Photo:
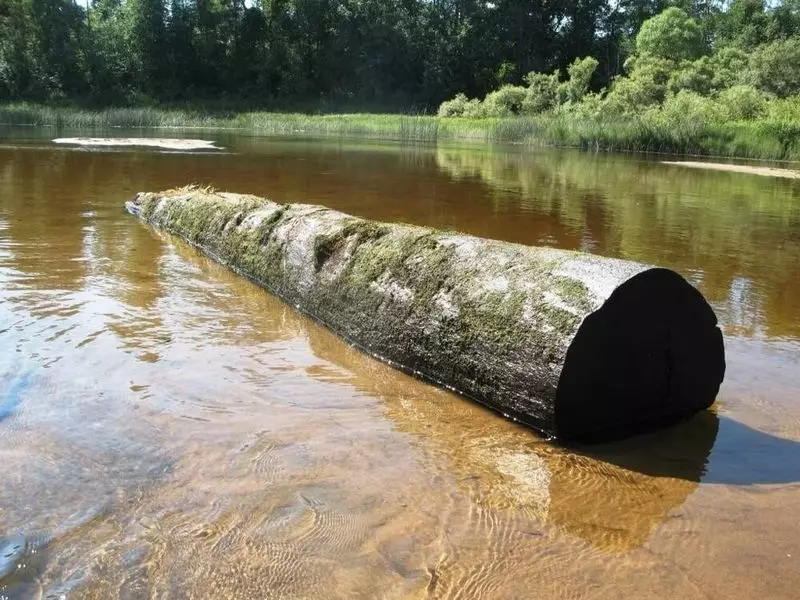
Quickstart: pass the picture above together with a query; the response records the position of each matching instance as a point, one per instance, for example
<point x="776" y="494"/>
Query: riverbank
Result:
<point x="760" y="139"/>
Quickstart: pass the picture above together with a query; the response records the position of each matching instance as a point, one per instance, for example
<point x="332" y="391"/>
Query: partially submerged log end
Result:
<point x="652" y="354"/>
<point x="574" y="345"/>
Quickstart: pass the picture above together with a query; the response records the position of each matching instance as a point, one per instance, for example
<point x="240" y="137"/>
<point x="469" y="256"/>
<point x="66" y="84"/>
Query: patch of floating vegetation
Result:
<point x="128" y="142"/>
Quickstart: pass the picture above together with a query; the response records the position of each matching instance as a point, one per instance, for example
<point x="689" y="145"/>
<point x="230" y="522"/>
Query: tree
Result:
<point x="671" y="35"/>
<point x="745" y="24"/>
<point x="57" y="29"/>
<point x="579" y="78"/>
<point x="18" y="69"/>
<point x="775" y="67"/>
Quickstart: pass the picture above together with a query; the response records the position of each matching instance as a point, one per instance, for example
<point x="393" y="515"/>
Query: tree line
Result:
<point x="356" y="54"/>
<point x="676" y="72"/>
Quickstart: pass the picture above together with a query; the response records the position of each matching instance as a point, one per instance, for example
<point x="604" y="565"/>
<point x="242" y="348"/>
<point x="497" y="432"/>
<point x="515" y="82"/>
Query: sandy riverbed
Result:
<point x="165" y="143"/>
<point x="753" y="170"/>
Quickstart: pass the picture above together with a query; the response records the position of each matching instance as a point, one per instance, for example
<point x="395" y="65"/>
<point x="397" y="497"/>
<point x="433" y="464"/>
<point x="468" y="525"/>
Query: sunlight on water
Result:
<point x="170" y="430"/>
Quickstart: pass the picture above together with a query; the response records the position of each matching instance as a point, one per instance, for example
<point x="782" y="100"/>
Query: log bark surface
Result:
<point x="573" y="345"/>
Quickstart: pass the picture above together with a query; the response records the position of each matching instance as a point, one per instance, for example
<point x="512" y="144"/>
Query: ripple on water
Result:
<point x="244" y="452"/>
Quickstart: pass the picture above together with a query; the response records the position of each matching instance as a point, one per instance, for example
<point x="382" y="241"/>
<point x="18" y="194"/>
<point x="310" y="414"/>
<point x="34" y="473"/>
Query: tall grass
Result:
<point x="772" y="138"/>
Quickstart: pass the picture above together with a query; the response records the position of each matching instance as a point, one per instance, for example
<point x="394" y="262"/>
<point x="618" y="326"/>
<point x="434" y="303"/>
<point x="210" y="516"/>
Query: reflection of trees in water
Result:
<point x="43" y="218"/>
<point x="718" y="228"/>
<point x="69" y="239"/>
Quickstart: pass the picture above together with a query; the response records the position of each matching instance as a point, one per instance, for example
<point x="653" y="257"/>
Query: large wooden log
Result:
<point x="574" y="345"/>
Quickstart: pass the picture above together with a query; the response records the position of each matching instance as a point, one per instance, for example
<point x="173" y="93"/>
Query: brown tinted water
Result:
<point x="170" y="430"/>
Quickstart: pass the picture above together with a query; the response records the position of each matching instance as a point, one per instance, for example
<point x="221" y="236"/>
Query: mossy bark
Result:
<point x="491" y="320"/>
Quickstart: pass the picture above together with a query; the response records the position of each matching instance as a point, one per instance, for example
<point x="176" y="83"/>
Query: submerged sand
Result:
<point x="165" y="143"/>
<point x="765" y="171"/>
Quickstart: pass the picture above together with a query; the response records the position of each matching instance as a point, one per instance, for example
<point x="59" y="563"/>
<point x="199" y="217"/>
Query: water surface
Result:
<point x="170" y="430"/>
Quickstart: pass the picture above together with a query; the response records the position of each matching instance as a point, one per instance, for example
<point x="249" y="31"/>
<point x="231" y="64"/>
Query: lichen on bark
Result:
<point x="491" y="320"/>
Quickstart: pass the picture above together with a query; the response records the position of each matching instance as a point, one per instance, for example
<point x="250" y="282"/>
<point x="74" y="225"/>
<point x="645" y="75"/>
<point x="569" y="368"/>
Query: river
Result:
<point x="169" y="430"/>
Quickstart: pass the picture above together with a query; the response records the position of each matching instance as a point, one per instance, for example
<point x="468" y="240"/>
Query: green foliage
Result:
<point x="317" y="55"/>
<point x="580" y="75"/>
<point x="541" y="93"/>
<point x="745" y="24"/>
<point x="18" y="71"/>
<point x="696" y="76"/>
<point x="709" y="75"/>
<point x="774" y="135"/>
<point x="775" y="67"/>
<point x="687" y="108"/>
<point x="454" y="107"/>
<point x="504" y="102"/>
<point x="785" y="110"/>
<point x="671" y="35"/>
<point x="461" y="106"/>
<point x="646" y="85"/>
<point x="729" y="66"/>
<point x="743" y="102"/>
<point x="672" y="98"/>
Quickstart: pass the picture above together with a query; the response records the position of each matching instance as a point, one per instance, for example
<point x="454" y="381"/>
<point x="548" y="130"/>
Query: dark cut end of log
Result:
<point x="652" y="355"/>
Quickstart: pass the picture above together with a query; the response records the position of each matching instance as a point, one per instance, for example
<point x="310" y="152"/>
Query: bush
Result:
<point x="775" y="67"/>
<point x="461" y="106"/>
<point x="646" y="85"/>
<point x="454" y="107"/>
<point x="696" y="76"/>
<point x="541" y="94"/>
<point x="785" y="110"/>
<point x="590" y="107"/>
<point x="504" y="102"/>
<point x="580" y="77"/>
<point x="742" y="102"/>
<point x="687" y="107"/>
<point x="729" y="67"/>
<point x="474" y="109"/>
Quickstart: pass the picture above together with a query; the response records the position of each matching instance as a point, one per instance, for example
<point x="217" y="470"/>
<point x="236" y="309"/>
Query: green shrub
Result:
<point x="775" y="67"/>
<point x="784" y="110"/>
<point x="474" y="109"/>
<point x="742" y="102"/>
<point x="541" y="93"/>
<point x="696" y="76"/>
<point x="454" y="107"/>
<point x="461" y="106"/>
<point x="504" y="102"/>
<point x="590" y="107"/>
<point x="729" y="68"/>
<point x="646" y="86"/>
<point x="580" y="74"/>
<point x="688" y="108"/>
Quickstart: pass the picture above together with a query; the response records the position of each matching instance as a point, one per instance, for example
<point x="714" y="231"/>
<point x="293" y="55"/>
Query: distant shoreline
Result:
<point x="753" y="140"/>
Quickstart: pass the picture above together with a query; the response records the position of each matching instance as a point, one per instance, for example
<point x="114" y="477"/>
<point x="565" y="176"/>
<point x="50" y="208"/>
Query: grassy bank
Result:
<point x="757" y="139"/>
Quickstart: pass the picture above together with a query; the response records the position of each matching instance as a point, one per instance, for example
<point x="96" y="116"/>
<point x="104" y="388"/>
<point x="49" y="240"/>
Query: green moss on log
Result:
<point x="489" y="319"/>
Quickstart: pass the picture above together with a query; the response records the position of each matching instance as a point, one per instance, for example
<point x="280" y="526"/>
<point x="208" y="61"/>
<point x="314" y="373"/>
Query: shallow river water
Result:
<point x="169" y="430"/>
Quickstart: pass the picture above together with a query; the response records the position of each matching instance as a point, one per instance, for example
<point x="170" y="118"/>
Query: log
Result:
<point x="573" y="345"/>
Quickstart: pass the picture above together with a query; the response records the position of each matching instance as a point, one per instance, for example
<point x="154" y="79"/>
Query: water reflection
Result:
<point x="737" y="236"/>
<point x="221" y="443"/>
<point x="611" y="495"/>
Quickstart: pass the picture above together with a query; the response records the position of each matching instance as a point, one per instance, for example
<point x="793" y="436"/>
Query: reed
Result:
<point x="775" y="137"/>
